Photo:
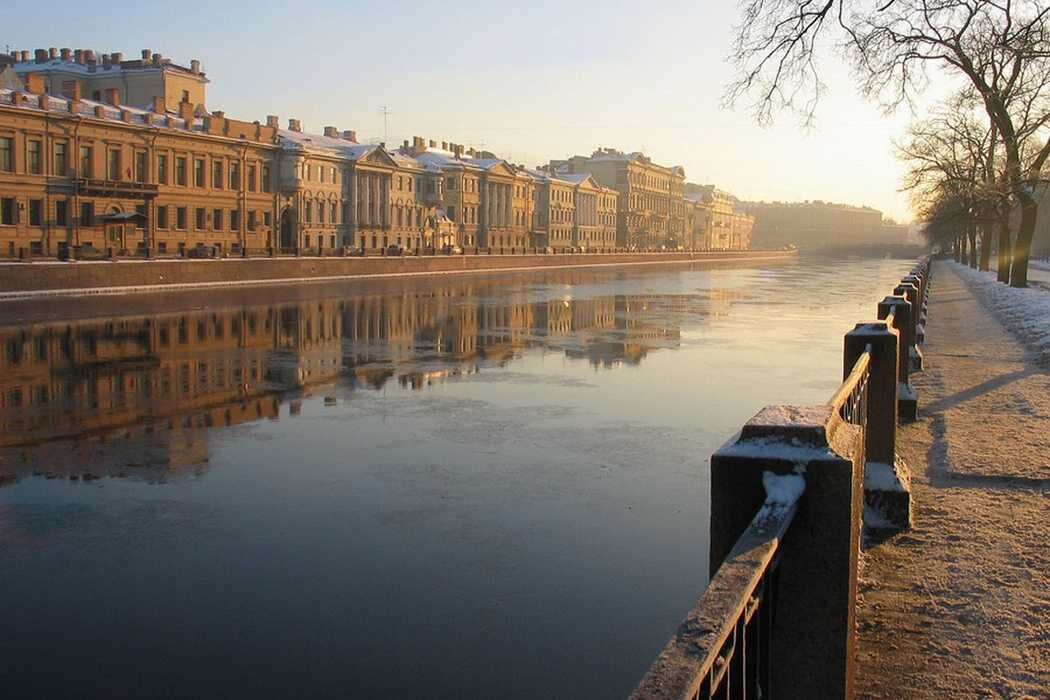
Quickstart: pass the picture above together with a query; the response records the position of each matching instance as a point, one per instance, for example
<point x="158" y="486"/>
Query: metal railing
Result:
<point x="851" y="398"/>
<point x="722" y="648"/>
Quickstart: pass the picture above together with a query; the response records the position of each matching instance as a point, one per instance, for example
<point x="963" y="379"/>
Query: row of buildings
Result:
<point x="100" y="152"/>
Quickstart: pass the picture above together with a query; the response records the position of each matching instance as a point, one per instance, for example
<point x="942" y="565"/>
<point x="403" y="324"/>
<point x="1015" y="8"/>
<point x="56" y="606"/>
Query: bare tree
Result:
<point x="998" y="49"/>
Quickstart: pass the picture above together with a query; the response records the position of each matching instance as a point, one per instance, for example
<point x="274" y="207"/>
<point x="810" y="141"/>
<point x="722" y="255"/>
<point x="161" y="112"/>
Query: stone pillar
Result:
<point x="813" y="632"/>
<point x="910" y="290"/>
<point x="881" y="438"/>
<point x="907" y="401"/>
<point x="920" y="331"/>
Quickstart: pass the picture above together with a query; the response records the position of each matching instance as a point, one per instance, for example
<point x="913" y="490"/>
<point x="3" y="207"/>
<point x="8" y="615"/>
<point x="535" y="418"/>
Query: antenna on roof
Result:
<point x="386" y="113"/>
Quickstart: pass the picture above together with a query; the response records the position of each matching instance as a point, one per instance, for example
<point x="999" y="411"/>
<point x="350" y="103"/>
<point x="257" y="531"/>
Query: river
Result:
<point x="460" y="487"/>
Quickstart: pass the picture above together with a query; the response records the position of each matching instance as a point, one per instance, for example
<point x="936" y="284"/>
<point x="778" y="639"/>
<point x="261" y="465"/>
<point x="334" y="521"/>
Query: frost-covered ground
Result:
<point x="959" y="606"/>
<point x="1024" y="312"/>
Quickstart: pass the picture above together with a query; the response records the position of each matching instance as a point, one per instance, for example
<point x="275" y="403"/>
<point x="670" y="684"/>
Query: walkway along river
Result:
<point x="494" y="485"/>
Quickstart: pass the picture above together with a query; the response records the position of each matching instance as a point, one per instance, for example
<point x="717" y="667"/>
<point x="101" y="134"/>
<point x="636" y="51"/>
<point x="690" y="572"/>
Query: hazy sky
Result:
<point x="530" y="81"/>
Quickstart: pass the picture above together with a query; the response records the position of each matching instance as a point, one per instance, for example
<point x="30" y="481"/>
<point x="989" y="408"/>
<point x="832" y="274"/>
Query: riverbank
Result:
<point x="30" y="280"/>
<point x="959" y="605"/>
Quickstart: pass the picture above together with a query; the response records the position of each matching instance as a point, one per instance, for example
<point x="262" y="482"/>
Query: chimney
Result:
<point x="350" y="135"/>
<point x="195" y="67"/>
<point x="41" y="55"/>
<point x="105" y="61"/>
<point x="25" y="56"/>
<point x="186" y="113"/>
<point x="65" y="54"/>
<point x="145" y="55"/>
<point x="273" y="121"/>
<point x="331" y="132"/>
<point x="433" y="143"/>
<point x="111" y="96"/>
<point x="156" y="59"/>
<point x="159" y="107"/>
<point x="219" y="114"/>
<point x="43" y="102"/>
<point x="295" y="125"/>
<point x="71" y="89"/>
<point x="78" y="56"/>
<point x="52" y="53"/>
<point x="89" y="56"/>
<point x="404" y="145"/>
<point x="125" y="116"/>
<point x="100" y="112"/>
<point x="117" y="58"/>
<point x="35" y="83"/>
<point x="15" y="57"/>
<point x="444" y="145"/>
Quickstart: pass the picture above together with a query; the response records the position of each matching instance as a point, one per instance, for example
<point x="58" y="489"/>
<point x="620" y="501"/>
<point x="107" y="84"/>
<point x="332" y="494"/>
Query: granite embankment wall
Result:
<point x="20" y="280"/>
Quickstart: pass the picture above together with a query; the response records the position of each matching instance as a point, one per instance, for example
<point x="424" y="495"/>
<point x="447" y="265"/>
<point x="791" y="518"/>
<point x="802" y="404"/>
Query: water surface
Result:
<point x="468" y="487"/>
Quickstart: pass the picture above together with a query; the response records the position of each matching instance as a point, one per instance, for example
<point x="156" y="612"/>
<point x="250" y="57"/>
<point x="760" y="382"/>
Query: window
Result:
<point x="7" y="154"/>
<point x="452" y="213"/>
<point x="332" y="211"/>
<point x="266" y="178"/>
<point x="308" y="212"/>
<point x="251" y="178"/>
<point x="180" y="218"/>
<point x="251" y="220"/>
<point x="185" y="95"/>
<point x="266" y="218"/>
<point x="61" y="156"/>
<point x="162" y="169"/>
<point x="201" y="219"/>
<point x="217" y="219"/>
<point x="450" y="184"/>
<point x="61" y="213"/>
<point x="36" y="212"/>
<point x="87" y="213"/>
<point x="140" y="222"/>
<point x="96" y="95"/>
<point x="216" y="174"/>
<point x="140" y="166"/>
<point x="334" y="178"/>
<point x="320" y="213"/>
<point x="113" y="170"/>
<point x="198" y="172"/>
<point x="7" y="211"/>
<point x="320" y="172"/>
<point x="235" y="220"/>
<point x="180" y="171"/>
<point x="162" y="217"/>
<point x="33" y="164"/>
<point x="235" y="176"/>
<point x="309" y="171"/>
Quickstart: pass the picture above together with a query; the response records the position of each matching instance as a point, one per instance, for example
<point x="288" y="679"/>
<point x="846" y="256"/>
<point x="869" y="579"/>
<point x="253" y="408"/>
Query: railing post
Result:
<point x="913" y="355"/>
<point x="812" y="648"/>
<point x="920" y="331"/>
<point x="886" y="479"/>
<point x="907" y="400"/>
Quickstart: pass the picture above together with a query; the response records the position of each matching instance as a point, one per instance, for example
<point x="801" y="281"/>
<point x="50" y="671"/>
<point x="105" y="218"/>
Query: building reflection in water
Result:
<point x="136" y="396"/>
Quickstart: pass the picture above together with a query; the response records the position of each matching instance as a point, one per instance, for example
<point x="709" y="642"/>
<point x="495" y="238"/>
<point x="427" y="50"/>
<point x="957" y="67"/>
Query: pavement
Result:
<point x="959" y="606"/>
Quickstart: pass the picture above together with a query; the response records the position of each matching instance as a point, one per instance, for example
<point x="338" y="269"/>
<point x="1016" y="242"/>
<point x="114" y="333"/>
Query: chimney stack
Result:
<point x="433" y="143"/>
<point x="350" y="135"/>
<point x="35" y="83"/>
<point x="186" y="113"/>
<point x="156" y="59"/>
<point x="145" y="55"/>
<point x="273" y="121"/>
<point x="195" y="66"/>
<point x="52" y="53"/>
<point x="404" y="145"/>
<point x="65" y="54"/>
<point x="118" y="58"/>
<point x="111" y="96"/>
<point x="78" y="56"/>
<point x="25" y="55"/>
<point x="40" y="55"/>
<point x="331" y="132"/>
<point x="295" y="125"/>
<point x="89" y="56"/>
<point x="444" y="145"/>
<point x="71" y="89"/>
<point x="105" y="60"/>
<point x="159" y="107"/>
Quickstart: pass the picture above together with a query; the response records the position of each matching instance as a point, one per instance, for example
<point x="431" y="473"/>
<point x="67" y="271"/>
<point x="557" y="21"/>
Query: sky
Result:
<point x="529" y="81"/>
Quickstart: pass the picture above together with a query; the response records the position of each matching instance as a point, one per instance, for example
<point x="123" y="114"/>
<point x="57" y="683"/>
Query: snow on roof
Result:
<point x="299" y="141"/>
<point x="87" y="108"/>
<point x="97" y="69"/>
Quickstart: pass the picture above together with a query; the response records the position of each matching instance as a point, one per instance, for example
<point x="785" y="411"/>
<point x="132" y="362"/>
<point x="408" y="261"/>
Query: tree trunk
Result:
<point x="986" y="245"/>
<point x="961" y="258"/>
<point x="971" y="232"/>
<point x="1023" y="246"/>
<point x="1003" y="253"/>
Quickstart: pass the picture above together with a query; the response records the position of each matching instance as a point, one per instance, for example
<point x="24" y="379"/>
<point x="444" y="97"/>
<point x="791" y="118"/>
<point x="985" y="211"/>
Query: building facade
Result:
<point x="651" y="207"/>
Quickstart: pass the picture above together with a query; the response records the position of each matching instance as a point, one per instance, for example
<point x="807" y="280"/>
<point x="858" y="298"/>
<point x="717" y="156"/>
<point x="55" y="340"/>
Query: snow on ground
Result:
<point x="1024" y="312"/>
<point x="1039" y="264"/>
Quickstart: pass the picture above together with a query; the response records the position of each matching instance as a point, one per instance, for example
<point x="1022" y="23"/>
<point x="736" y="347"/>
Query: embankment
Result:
<point x="41" y="279"/>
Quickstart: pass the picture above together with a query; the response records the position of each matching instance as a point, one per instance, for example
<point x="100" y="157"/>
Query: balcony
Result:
<point x="121" y="189"/>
